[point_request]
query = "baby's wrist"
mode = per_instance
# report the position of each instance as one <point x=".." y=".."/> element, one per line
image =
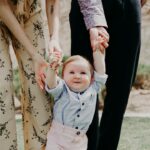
<point x="96" y="50"/>
<point x="102" y="51"/>
<point x="53" y="68"/>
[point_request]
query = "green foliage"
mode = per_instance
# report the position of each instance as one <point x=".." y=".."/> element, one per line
<point x="143" y="69"/>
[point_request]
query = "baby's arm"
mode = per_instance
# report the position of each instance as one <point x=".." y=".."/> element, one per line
<point x="99" y="62"/>
<point x="51" y="73"/>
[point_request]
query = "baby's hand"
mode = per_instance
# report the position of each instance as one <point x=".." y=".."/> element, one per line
<point x="55" y="59"/>
<point x="101" y="45"/>
<point x="99" y="38"/>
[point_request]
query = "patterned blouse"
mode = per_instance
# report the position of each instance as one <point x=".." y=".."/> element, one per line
<point x="93" y="13"/>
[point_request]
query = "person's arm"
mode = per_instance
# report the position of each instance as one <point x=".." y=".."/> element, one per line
<point x="13" y="25"/>
<point x="93" y="13"/>
<point x="11" y="22"/>
<point x="99" y="62"/>
<point x="52" y="70"/>
<point x="52" y="11"/>
<point x="51" y="78"/>
<point x="95" y="21"/>
<point x="99" y="34"/>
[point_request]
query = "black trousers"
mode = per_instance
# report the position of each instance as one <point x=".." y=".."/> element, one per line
<point x="124" y="27"/>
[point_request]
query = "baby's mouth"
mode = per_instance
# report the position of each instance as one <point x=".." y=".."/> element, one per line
<point x="77" y="82"/>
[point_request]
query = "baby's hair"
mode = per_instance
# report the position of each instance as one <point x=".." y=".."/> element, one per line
<point x="76" y="58"/>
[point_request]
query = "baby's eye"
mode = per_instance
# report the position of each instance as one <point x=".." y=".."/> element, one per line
<point x="71" y="72"/>
<point x="83" y="72"/>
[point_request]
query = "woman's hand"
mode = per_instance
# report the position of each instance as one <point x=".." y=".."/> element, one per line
<point x="99" y="38"/>
<point x="54" y="45"/>
<point x="55" y="54"/>
<point x="40" y="64"/>
<point x="55" y="59"/>
<point x="51" y="71"/>
<point x="39" y="67"/>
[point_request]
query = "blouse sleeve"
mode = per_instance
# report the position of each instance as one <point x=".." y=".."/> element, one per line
<point x="93" y="13"/>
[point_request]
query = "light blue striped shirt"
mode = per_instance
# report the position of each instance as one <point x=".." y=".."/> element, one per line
<point x="73" y="109"/>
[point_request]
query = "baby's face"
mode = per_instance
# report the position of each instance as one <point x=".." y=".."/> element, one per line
<point x="77" y="75"/>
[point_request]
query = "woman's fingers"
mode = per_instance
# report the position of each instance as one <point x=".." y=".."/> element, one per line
<point x="39" y="82"/>
<point x="103" y="33"/>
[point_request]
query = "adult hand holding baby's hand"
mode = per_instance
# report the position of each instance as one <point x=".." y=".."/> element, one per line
<point x="99" y="38"/>
<point x="55" y="59"/>
<point x="55" y="54"/>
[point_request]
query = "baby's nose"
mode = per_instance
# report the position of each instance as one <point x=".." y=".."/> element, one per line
<point x="78" y="75"/>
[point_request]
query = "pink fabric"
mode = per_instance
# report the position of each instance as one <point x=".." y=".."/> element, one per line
<point x="62" y="137"/>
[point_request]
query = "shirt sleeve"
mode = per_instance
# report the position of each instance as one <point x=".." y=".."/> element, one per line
<point x="57" y="91"/>
<point x="99" y="81"/>
<point x="93" y="13"/>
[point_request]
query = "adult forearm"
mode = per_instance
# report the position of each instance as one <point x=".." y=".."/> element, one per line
<point x="52" y="11"/>
<point x="93" y="13"/>
<point x="11" y="22"/>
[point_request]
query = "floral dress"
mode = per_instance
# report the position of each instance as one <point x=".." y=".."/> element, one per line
<point x="36" y="107"/>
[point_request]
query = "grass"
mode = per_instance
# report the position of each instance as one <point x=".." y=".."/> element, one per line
<point x="135" y="134"/>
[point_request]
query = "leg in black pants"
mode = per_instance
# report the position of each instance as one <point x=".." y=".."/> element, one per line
<point x="80" y="45"/>
<point x="123" y="18"/>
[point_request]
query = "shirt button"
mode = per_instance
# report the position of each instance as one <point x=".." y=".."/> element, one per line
<point x="76" y="127"/>
<point x="78" y="115"/>
<point x="78" y="133"/>
<point x="82" y="104"/>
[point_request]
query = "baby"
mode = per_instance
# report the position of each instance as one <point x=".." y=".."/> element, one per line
<point x="75" y="96"/>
